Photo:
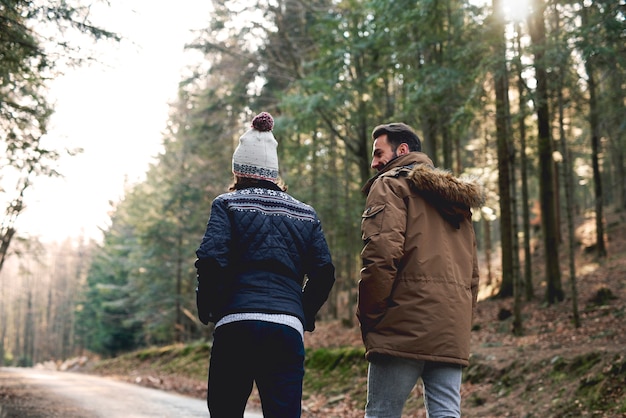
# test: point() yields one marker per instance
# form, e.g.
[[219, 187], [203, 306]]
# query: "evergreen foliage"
[[329, 71], [33, 49]]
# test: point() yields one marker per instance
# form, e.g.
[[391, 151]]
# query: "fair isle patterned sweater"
[[260, 244]]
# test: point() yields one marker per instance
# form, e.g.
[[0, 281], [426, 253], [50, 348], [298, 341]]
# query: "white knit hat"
[[256, 156]]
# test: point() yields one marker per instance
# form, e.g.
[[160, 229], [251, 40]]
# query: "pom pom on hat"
[[256, 156], [263, 122]]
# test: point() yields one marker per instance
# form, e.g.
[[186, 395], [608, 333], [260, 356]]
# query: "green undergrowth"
[[332, 372], [189, 360], [336, 372], [595, 381]]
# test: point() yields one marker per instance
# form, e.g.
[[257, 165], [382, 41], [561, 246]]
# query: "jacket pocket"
[[372, 221]]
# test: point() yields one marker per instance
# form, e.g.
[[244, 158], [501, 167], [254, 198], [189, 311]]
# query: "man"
[[419, 279], [259, 245]]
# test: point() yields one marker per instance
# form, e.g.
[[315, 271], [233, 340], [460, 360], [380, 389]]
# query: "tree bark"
[[594, 125], [547, 192], [521, 89], [504, 170]]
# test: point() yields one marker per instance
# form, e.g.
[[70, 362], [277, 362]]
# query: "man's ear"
[[403, 148]]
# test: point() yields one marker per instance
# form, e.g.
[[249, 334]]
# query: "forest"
[[530, 101]]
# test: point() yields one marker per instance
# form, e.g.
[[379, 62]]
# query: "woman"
[[260, 244]]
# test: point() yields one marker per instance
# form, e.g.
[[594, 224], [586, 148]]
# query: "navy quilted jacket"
[[259, 245]]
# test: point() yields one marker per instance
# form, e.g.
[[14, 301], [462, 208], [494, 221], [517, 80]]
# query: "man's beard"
[[393, 157]]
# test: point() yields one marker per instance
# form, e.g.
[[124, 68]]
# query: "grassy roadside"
[[336, 373], [586, 384]]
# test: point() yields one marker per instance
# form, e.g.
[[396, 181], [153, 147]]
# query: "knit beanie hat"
[[256, 156]]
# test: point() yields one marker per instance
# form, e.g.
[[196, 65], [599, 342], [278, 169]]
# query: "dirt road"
[[31, 393]]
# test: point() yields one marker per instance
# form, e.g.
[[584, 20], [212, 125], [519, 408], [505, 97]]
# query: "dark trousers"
[[272, 355]]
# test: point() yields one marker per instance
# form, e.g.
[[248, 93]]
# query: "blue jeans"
[[244, 352], [390, 380]]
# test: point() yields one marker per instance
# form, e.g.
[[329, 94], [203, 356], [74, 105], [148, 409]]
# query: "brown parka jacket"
[[419, 279]]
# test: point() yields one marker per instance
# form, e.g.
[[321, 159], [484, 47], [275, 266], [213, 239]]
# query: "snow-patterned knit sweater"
[[260, 244]]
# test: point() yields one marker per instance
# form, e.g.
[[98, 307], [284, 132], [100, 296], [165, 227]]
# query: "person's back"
[[419, 279], [273, 240], [259, 245], [432, 286]]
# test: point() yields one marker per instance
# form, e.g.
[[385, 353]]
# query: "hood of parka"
[[445, 186], [452, 196]]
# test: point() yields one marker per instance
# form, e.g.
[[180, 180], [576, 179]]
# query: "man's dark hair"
[[398, 133]]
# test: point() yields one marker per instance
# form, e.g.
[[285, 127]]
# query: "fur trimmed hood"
[[443, 184], [452, 196]]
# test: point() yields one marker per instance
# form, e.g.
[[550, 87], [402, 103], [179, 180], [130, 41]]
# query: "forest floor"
[[553, 369]]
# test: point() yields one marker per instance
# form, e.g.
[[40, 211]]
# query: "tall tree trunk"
[[595, 162], [504, 170], [517, 282], [349, 280], [458, 161], [50, 322], [620, 169], [429, 143], [447, 147], [618, 133], [178, 325], [28, 352], [517, 277], [487, 222], [569, 208], [179, 259], [554, 290], [594, 125], [521, 89], [331, 235], [567, 180], [17, 326]]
